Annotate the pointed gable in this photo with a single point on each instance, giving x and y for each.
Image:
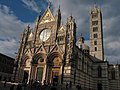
(47, 16)
(61, 29)
(56, 48)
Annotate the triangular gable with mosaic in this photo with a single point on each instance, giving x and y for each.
(47, 16)
(61, 29)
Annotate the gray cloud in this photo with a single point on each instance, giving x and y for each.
(8, 47)
(10, 31)
(9, 24)
(31, 4)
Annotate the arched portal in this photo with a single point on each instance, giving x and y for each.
(25, 64)
(55, 72)
(38, 67)
(54, 68)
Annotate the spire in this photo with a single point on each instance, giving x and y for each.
(58, 17)
(62, 23)
(71, 15)
(95, 9)
(81, 34)
(26, 30)
(39, 13)
(58, 11)
(95, 6)
(28, 26)
(49, 3)
(39, 16)
(59, 8)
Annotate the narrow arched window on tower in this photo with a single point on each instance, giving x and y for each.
(99, 71)
(95, 42)
(95, 29)
(95, 48)
(95, 35)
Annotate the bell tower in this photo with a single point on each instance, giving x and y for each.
(96, 33)
(58, 18)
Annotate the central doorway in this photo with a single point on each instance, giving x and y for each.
(55, 72)
(55, 77)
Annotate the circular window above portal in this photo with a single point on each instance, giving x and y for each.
(45, 34)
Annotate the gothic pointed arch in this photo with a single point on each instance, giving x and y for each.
(25, 60)
(54, 63)
(40, 57)
(52, 55)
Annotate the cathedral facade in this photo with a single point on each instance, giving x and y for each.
(50, 54)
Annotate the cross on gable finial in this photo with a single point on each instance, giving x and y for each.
(28, 26)
(49, 3)
(81, 34)
(59, 6)
(40, 12)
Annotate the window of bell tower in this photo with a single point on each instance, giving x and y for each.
(95, 35)
(94, 15)
(94, 22)
(95, 48)
(95, 42)
(95, 29)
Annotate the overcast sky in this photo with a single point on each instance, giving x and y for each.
(15, 15)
